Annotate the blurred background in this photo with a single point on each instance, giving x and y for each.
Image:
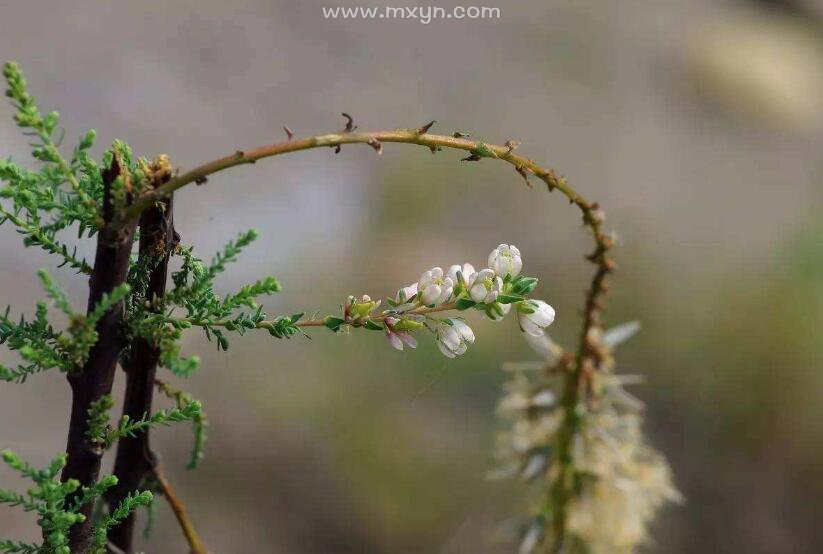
(698, 126)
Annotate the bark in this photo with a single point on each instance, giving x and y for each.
(95, 378)
(135, 460)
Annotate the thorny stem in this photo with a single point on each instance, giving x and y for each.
(407, 136)
(195, 544)
(588, 354)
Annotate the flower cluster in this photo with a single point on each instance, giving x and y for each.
(620, 481)
(493, 290)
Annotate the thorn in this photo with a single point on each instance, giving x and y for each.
(512, 145)
(374, 143)
(289, 132)
(425, 128)
(460, 134)
(471, 158)
(337, 149)
(202, 180)
(350, 126)
(435, 148)
(524, 173)
(240, 154)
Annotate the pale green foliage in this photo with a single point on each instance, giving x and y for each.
(100, 432)
(121, 512)
(193, 293)
(35, 195)
(199, 422)
(43, 347)
(57, 504)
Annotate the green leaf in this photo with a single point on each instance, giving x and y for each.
(465, 304)
(508, 298)
(524, 285)
(371, 325)
(333, 323)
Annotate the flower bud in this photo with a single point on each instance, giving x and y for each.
(406, 294)
(397, 337)
(357, 308)
(454, 337)
(466, 271)
(535, 315)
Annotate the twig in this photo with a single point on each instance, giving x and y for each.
(195, 544)
(420, 310)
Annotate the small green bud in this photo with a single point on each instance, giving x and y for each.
(50, 121)
(406, 324)
(109, 481)
(71, 485)
(361, 307)
(88, 140)
(10, 457)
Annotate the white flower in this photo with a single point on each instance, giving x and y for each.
(467, 270)
(454, 337)
(506, 260)
(434, 287)
(485, 286)
(535, 315)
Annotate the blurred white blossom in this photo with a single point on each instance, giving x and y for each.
(621, 481)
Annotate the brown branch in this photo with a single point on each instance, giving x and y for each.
(95, 378)
(195, 544)
(135, 460)
(407, 136)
